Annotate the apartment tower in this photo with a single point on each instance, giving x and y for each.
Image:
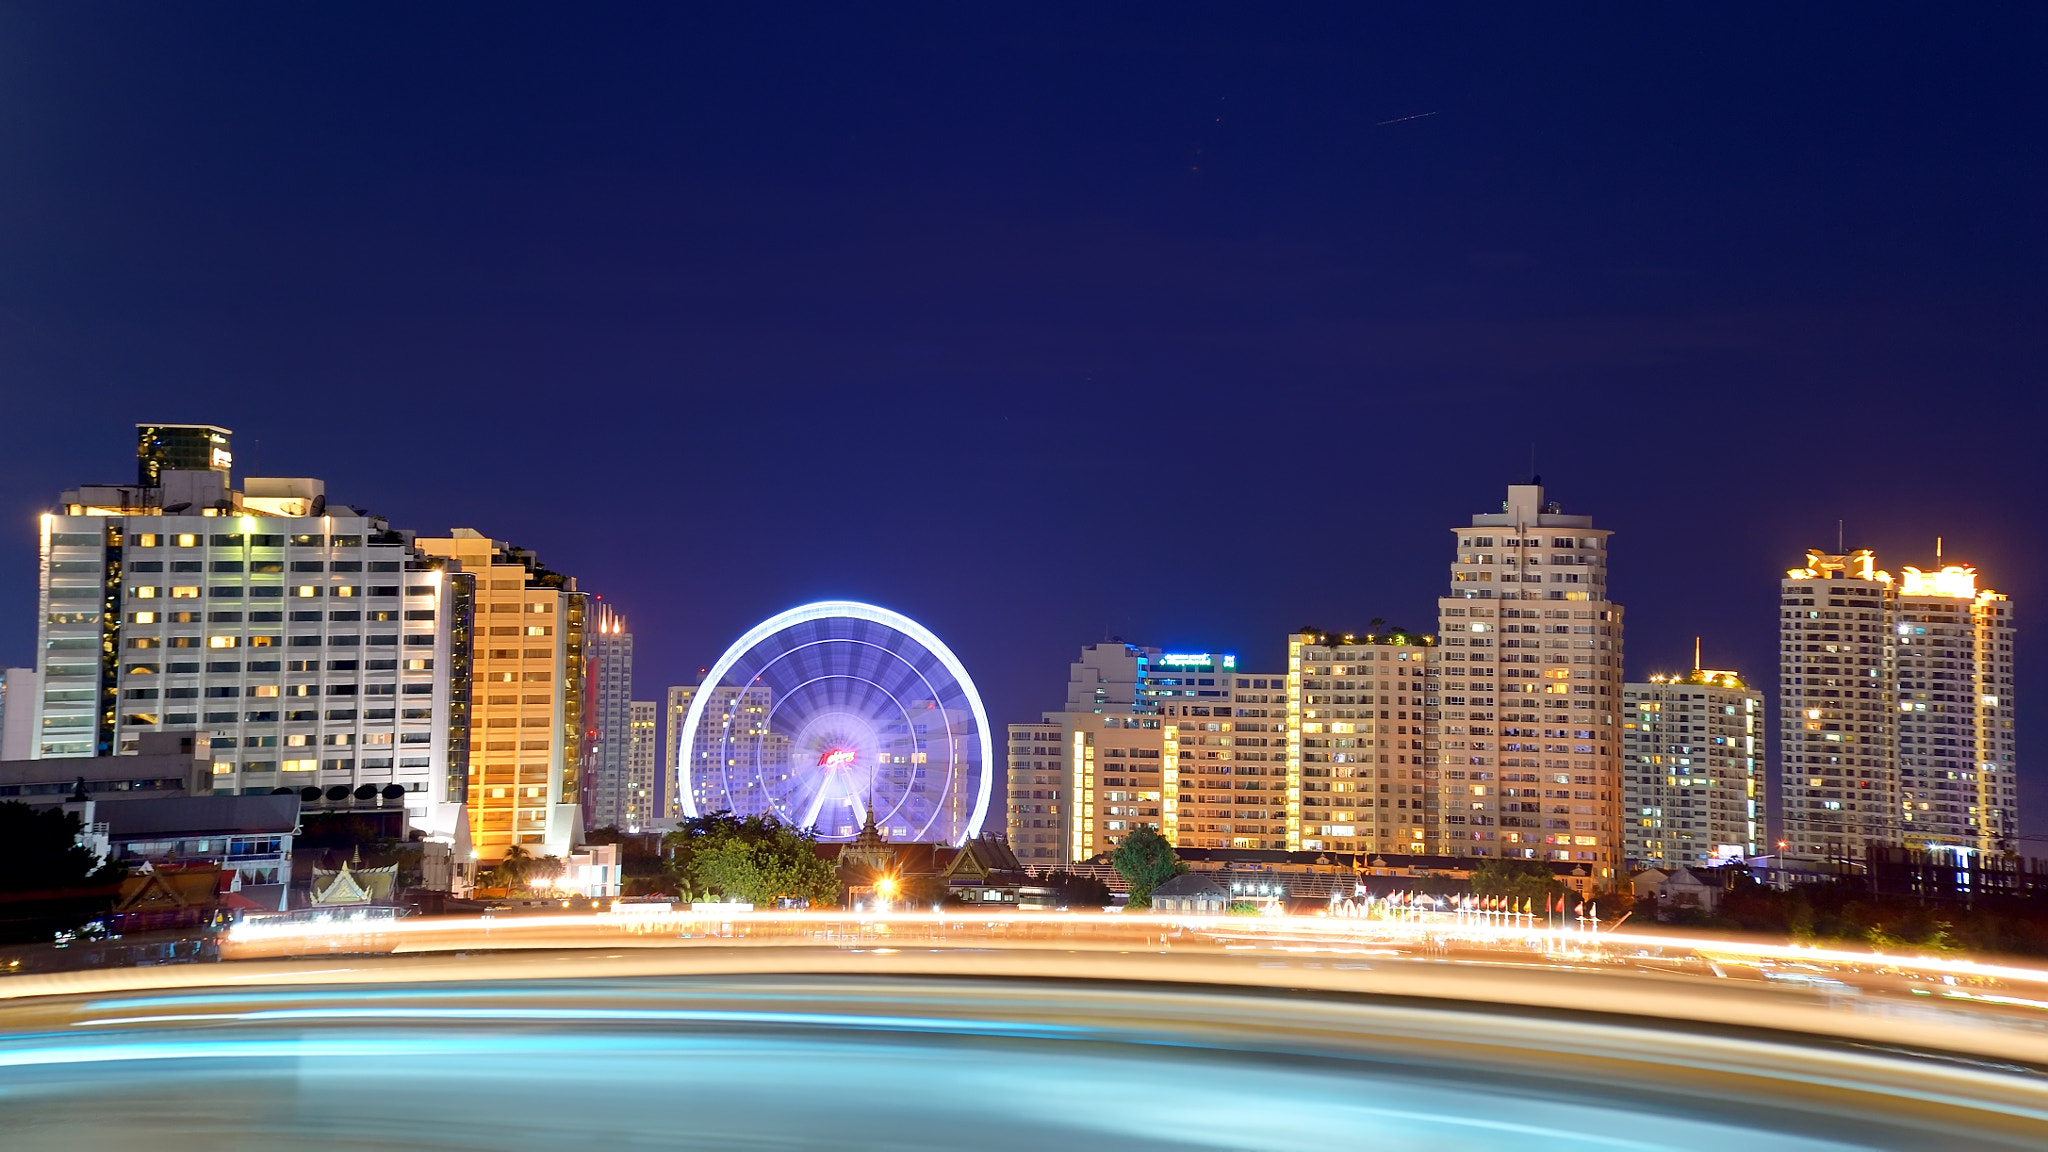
(1954, 695)
(1531, 680)
(1837, 722)
(1361, 742)
(527, 720)
(1692, 769)
(610, 731)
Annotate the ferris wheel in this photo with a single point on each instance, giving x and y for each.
(832, 714)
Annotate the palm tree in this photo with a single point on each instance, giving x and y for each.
(515, 866)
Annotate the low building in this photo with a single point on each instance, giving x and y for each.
(1191, 894)
(1672, 889)
(248, 835)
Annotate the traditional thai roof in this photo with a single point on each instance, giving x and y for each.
(350, 885)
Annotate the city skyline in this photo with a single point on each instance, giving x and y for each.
(1182, 330)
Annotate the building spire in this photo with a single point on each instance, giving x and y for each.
(1695, 653)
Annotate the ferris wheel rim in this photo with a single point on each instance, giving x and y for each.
(839, 610)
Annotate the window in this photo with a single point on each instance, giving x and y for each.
(181, 592)
(306, 591)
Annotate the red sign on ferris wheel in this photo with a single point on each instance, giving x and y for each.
(837, 758)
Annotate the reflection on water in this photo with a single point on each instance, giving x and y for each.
(814, 1062)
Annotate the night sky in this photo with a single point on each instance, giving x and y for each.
(1040, 325)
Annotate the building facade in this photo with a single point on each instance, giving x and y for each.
(742, 711)
(307, 644)
(1692, 770)
(1532, 676)
(527, 720)
(642, 792)
(610, 731)
(1361, 742)
(1837, 721)
(1954, 667)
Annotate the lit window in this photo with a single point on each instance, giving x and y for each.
(306, 591)
(223, 767)
(299, 765)
(344, 590)
(223, 641)
(185, 592)
(143, 593)
(187, 540)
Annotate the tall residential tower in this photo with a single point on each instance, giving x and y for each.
(1532, 662)
(1837, 723)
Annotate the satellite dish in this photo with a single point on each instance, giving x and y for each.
(174, 509)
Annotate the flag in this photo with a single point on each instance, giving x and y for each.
(1579, 909)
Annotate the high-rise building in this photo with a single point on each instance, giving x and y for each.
(1692, 769)
(1227, 770)
(610, 730)
(1360, 741)
(527, 721)
(642, 793)
(1082, 777)
(306, 647)
(1837, 724)
(17, 713)
(741, 711)
(1113, 677)
(1954, 695)
(1532, 675)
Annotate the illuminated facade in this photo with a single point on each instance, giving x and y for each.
(1837, 723)
(1080, 778)
(610, 731)
(1227, 775)
(1954, 694)
(1692, 764)
(527, 720)
(643, 768)
(1359, 742)
(1531, 679)
(308, 645)
(745, 710)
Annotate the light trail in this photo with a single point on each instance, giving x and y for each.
(965, 929)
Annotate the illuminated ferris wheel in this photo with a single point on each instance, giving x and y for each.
(833, 712)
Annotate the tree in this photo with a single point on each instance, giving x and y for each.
(1145, 860)
(756, 859)
(1518, 880)
(1077, 891)
(513, 869)
(48, 883)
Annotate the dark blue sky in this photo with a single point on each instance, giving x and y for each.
(1038, 323)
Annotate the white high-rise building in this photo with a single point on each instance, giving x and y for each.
(742, 712)
(1692, 769)
(610, 693)
(1954, 669)
(1531, 679)
(307, 645)
(1837, 723)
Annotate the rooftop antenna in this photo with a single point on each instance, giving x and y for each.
(1937, 551)
(1695, 653)
(1838, 538)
